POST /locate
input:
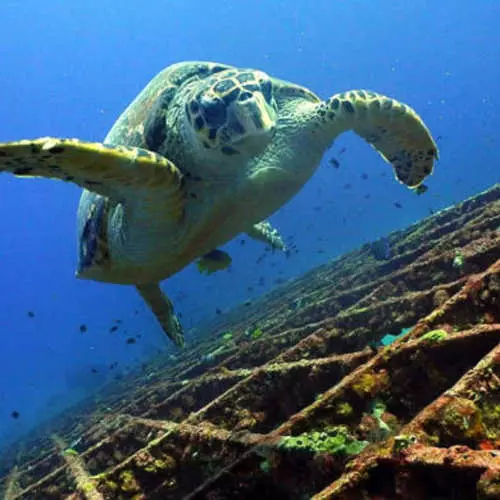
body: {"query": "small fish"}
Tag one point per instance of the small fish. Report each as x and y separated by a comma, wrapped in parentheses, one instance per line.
(94, 370)
(342, 151)
(397, 204)
(113, 329)
(242, 242)
(31, 314)
(381, 249)
(218, 311)
(130, 340)
(15, 414)
(334, 162)
(83, 328)
(347, 186)
(213, 261)
(421, 189)
(364, 176)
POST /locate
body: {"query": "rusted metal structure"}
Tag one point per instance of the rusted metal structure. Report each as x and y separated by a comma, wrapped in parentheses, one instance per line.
(293, 396)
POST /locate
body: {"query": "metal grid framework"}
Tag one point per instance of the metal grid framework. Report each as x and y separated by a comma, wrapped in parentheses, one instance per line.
(213, 423)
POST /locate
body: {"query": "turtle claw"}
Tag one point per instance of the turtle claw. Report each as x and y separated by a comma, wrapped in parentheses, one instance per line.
(175, 331)
(163, 309)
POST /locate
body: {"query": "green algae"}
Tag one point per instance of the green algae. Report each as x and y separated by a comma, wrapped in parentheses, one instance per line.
(343, 409)
(70, 452)
(227, 337)
(435, 335)
(256, 334)
(490, 417)
(335, 440)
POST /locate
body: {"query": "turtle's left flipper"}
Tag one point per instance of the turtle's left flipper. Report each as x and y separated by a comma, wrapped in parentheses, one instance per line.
(263, 231)
(392, 128)
(163, 309)
(114, 171)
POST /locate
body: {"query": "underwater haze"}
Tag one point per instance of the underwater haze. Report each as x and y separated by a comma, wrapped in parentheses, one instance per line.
(68, 69)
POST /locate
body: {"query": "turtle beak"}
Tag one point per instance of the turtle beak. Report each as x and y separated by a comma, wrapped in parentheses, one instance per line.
(257, 117)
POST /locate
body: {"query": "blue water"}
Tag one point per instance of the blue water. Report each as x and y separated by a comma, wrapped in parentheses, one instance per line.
(69, 68)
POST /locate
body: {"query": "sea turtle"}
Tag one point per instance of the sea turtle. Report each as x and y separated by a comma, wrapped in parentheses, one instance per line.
(207, 151)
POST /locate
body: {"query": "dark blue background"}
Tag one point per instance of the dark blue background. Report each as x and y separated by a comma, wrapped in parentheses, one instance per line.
(69, 68)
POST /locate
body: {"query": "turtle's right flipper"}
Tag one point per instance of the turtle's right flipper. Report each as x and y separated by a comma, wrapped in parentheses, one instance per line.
(392, 128)
(263, 231)
(163, 309)
(114, 171)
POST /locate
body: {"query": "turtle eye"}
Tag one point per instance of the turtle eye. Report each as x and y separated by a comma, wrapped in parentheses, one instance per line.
(214, 111)
(267, 90)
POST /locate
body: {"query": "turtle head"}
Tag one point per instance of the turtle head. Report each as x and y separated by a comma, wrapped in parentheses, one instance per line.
(234, 113)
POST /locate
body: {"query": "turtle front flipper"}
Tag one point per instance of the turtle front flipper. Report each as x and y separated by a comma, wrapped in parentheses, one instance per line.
(264, 231)
(118, 172)
(392, 128)
(163, 309)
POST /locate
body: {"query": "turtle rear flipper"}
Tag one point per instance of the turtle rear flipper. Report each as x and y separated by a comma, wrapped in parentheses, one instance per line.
(163, 309)
(117, 172)
(392, 128)
(265, 232)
